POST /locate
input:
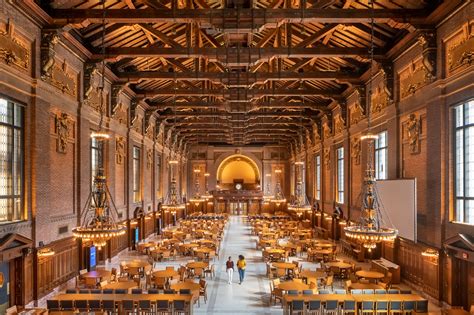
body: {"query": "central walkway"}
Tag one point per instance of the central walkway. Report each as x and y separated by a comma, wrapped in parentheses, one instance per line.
(252, 296)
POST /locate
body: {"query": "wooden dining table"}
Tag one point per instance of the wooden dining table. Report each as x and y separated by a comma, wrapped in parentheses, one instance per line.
(292, 285)
(193, 286)
(197, 264)
(339, 264)
(98, 274)
(137, 264)
(167, 273)
(312, 274)
(369, 274)
(121, 285)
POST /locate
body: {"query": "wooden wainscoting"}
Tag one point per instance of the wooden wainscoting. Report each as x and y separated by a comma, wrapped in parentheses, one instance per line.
(117, 244)
(417, 269)
(149, 225)
(59, 268)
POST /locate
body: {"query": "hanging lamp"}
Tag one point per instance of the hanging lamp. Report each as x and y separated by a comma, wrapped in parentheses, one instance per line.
(278, 198)
(370, 229)
(267, 196)
(98, 221)
(172, 202)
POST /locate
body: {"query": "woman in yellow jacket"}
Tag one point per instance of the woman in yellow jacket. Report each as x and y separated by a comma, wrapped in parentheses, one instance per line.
(241, 264)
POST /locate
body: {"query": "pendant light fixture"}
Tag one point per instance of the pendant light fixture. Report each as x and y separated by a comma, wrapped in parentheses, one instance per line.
(98, 221)
(370, 230)
(278, 198)
(172, 202)
(268, 194)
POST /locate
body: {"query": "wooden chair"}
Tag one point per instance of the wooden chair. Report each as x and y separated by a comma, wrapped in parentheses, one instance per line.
(297, 307)
(328, 282)
(198, 272)
(90, 282)
(275, 293)
(203, 290)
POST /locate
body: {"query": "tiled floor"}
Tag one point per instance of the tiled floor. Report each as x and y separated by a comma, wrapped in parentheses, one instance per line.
(252, 296)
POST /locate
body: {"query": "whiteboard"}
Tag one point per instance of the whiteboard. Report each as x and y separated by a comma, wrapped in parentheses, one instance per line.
(398, 201)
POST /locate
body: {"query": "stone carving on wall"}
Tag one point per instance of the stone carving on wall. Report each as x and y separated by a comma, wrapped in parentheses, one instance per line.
(381, 98)
(357, 109)
(92, 92)
(413, 126)
(427, 41)
(63, 79)
(460, 48)
(160, 134)
(308, 139)
(413, 77)
(119, 110)
(48, 54)
(339, 124)
(149, 158)
(149, 125)
(327, 158)
(327, 132)
(62, 132)
(137, 124)
(119, 150)
(13, 51)
(356, 150)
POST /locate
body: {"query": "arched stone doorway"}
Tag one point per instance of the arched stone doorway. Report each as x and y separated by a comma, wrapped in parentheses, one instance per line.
(238, 169)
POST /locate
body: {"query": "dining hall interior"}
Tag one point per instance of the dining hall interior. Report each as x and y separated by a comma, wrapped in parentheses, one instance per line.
(237, 157)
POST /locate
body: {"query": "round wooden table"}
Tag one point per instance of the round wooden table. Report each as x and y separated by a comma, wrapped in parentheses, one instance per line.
(190, 245)
(275, 251)
(193, 286)
(98, 274)
(339, 264)
(205, 250)
(312, 274)
(197, 264)
(292, 285)
(137, 264)
(283, 265)
(165, 273)
(367, 274)
(322, 251)
(121, 285)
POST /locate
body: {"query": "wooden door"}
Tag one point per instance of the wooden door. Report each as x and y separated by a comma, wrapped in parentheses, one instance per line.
(460, 283)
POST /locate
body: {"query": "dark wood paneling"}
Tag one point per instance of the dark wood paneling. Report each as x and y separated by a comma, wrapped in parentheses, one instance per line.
(59, 268)
(117, 244)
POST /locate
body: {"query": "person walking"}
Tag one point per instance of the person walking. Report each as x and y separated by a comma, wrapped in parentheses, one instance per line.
(229, 265)
(241, 264)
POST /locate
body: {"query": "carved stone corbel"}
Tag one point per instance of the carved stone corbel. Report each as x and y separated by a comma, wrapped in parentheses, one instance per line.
(427, 41)
(90, 70)
(388, 77)
(62, 131)
(49, 39)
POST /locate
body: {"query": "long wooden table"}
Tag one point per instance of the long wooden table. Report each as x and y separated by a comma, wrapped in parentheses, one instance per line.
(118, 298)
(358, 298)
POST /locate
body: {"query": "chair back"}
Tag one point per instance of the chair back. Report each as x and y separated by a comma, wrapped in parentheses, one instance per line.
(184, 291)
(81, 305)
(169, 291)
(95, 291)
(52, 305)
(153, 291)
(128, 305)
(308, 292)
(292, 292)
(94, 305)
(405, 291)
(108, 305)
(422, 306)
(349, 305)
(120, 291)
(324, 291)
(408, 306)
(71, 291)
(381, 306)
(297, 305)
(395, 305)
(314, 305)
(144, 304)
(137, 291)
(368, 291)
(162, 305)
(179, 305)
(67, 305)
(340, 291)
(393, 291)
(331, 305)
(367, 305)
(108, 291)
(84, 291)
(380, 291)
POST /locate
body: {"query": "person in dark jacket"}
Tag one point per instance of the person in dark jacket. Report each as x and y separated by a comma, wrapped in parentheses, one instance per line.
(229, 267)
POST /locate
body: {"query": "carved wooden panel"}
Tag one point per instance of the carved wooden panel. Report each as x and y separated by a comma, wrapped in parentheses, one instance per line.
(93, 99)
(381, 98)
(460, 48)
(413, 77)
(13, 49)
(62, 127)
(63, 78)
(339, 124)
(137, 124)
(120, 113)
(356, 113)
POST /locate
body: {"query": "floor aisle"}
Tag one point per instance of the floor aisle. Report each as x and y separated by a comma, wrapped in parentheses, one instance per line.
(252, 296)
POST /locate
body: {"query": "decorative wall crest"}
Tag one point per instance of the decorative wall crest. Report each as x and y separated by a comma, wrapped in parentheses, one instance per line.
(413, 127)
(119, 110)
(356, 150)
(327, 158)
(327, 131)
(149, 158)
(316, 132)
(48, 43)
(413, 77)
(92, 92)
(62, 131)
(13, 51)
(381, 98)
(460, 48)
(339, 123)
(63, 79)
(357, 109)
(119, 150)
(427, 41)
(160, 137)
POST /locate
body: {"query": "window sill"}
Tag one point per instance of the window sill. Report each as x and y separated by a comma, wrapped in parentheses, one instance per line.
(3, 223)
(461, 223)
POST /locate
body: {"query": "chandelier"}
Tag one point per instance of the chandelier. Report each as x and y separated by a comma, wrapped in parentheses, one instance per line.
(98, 221)
(207, 195)
(172, 200)
(196, 199)
(267, 196)
(370, 230)
(300, 204)
(278, 198)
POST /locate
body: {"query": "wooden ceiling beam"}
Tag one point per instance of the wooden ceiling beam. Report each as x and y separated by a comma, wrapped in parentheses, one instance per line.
(244, 55)
(313, 38)
(225, 18)
(160, 35)
(246, 78)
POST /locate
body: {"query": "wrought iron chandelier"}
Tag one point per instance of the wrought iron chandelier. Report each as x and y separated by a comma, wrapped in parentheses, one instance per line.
(267, 195)
(98, 223)
(300, 204)
(278, 198)
(172, 202)
(207, 195)
(370, 230)
(196, 199)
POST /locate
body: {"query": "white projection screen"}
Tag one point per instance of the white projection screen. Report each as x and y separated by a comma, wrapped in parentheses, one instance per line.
(398, 198)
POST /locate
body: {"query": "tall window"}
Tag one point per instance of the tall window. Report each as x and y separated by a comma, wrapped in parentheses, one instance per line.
(340, 175)
(381, 156)
(11, 161)
(318, 177)
(96, 157)
(136, 175)
(464, 162)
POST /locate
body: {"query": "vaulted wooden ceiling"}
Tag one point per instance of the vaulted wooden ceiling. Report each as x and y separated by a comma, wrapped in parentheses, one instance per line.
(240, 72)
